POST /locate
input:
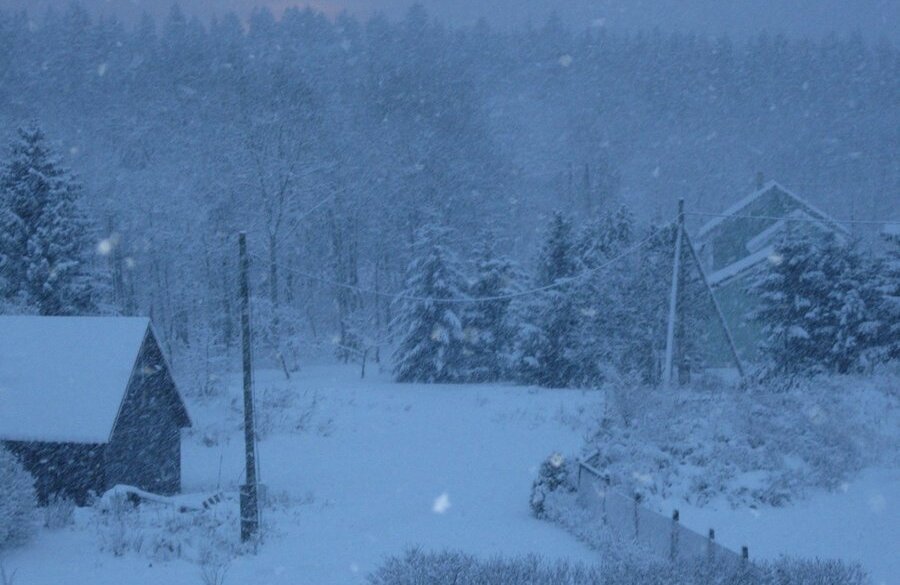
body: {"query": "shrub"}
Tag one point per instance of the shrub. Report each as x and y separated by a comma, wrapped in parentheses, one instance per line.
(555, 474)
(766, 443)
(59, 512)
(454, 568)
(119, 526)
(17, 500)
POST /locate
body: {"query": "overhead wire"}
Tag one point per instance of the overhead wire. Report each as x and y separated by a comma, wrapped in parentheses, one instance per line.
(470, 300)
(797, 219)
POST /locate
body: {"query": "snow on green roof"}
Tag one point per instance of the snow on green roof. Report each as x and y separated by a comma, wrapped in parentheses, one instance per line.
(738, 207)
(63, 379)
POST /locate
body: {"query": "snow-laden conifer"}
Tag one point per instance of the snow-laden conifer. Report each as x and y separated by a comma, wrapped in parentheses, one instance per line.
(44, 236)
(546, 346)
(429, 330)
(488, 328)
(816, 307)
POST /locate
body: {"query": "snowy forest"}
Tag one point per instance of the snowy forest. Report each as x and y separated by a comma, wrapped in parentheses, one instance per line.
(520, 240)
(332, 142)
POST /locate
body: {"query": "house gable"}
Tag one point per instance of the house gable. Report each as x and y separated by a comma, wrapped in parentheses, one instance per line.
(755, 222)
(144, 449)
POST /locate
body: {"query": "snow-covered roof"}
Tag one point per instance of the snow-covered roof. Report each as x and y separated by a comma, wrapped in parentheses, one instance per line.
(63, 379)
(743, 203)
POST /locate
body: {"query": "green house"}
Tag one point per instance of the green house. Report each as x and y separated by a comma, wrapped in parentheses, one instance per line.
(734, 246)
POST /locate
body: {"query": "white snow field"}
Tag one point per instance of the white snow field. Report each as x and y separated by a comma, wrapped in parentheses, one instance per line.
(860, 523)
(376, 467)
(381, 467)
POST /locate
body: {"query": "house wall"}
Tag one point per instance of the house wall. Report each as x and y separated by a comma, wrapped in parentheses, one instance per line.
(728, 240)
(73, 470)
(145, 449)
(737, 303)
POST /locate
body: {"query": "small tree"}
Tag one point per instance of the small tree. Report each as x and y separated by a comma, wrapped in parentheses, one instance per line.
(430, 330)
(18, 501)
(44, 238)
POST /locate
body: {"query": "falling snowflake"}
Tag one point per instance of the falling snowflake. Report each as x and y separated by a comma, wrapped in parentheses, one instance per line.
(441, 504)
(565, 60)
(105, 247)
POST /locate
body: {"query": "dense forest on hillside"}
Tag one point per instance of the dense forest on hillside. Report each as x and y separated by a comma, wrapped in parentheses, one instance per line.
(332, 142)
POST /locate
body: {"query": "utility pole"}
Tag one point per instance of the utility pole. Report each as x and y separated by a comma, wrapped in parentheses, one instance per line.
(673, 298)
(249, 491)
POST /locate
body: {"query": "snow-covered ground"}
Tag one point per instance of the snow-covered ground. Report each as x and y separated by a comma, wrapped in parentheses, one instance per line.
(860, 522)
(365, 468)
(378, 467)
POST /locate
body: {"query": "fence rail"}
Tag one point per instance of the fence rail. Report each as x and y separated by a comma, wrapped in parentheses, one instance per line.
(631, 521)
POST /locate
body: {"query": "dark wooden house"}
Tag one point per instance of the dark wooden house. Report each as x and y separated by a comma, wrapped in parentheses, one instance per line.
(88, 403)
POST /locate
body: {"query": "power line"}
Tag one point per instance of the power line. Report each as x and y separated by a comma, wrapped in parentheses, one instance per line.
(558, 284)
(798, 219)
(295, 224)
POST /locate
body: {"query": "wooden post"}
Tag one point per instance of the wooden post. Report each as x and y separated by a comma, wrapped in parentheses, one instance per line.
(673, 544)
(718, 308)
(637, 501)
(249, 491)
(745, 554)
(711, 546)
(673, 298)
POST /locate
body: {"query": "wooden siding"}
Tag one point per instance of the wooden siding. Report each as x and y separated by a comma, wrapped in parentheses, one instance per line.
(145, 448)
(73, 470)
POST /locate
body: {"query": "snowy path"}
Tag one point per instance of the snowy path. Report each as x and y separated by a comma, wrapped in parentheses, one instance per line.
(375, 472)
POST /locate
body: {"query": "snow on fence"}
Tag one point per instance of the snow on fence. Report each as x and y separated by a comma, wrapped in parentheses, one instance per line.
(628, 520)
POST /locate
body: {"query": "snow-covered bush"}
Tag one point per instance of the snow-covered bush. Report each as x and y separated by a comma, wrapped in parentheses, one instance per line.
(440, 568)
(118, 526)
(17, 500)
(757, 445)
(452, 568)
(162, 533)
(555, 474)
(59, 512)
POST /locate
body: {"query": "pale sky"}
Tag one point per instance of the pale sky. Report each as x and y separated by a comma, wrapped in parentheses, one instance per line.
(874, 18)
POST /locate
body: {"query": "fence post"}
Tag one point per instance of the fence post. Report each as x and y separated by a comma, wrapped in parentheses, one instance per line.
(673, 543)
(637, 501)
(606, 483)
(745, 554)
(711, 546)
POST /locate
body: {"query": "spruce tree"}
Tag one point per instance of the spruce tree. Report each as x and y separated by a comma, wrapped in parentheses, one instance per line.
(599, 297)
(44, 238)
(887, 308)
(430, 331)
(488, 329)
(815, 307)
(642, 318)
(546, 351)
